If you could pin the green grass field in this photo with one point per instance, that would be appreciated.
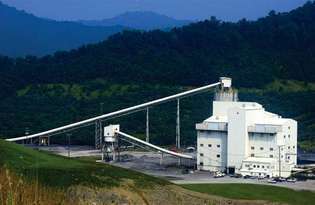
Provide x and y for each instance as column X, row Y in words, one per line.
column 60, row 171
column 256, row 192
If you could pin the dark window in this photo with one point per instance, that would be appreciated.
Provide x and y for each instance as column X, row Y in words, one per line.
column 201, row 154
column 254, row 166
column 289, row 127
column 218, row 146
column 289, row 147
column 252, row 155
column 271, row 149
column 209, row 145
column 261, row 148
column 201, row 145
column 293, row 147
column 271, row 156
column 289, row 136
column 218, row 156
column 263, row 166
column 252, row 148
column 201, row 163
column 258, row 166
column 284, row 136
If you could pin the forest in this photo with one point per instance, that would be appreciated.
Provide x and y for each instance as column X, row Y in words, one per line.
column 271, row 61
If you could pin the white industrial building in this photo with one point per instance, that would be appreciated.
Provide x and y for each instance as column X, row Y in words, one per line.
column 241, row 137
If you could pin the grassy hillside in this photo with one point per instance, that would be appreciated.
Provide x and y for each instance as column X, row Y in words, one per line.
column 31, row 177
column 59, row 171
column 256, row 192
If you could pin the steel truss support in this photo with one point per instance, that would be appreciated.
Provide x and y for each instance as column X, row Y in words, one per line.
column 178, row 125
column 147, row 130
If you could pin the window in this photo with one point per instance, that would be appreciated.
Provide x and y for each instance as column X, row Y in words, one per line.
column 284, row 136
column 258, row 166
column 201, row 154
column 218, row 156
column 271, row 156
column 293, row 147
column 254, row 166
column 289, row 147
column 268, row 167
column 218, row 146
column 271, row 149
column 209, row 145
column 289, row 136
column 201, row 163
column 288, row 157
column 270, row 134
column 289, row 127
column 263, row 166
column 261, row 148
column 252, row 155
column 252, row 148
column 201, row 145
column 246, row 165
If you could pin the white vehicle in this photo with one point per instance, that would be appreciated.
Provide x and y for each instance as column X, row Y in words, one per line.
column 218, row 174
column 272, row 181
column 292, row 180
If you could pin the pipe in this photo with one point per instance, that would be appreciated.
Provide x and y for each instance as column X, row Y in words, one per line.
column 155, row 147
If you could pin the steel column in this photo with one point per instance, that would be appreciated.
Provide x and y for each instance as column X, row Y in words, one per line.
column 147, row 126
column 178, row 125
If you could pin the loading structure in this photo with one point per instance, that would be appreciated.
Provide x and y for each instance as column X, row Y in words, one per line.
column 109, row 139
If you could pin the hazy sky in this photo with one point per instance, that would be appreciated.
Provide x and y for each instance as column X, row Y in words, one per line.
column 180, row 9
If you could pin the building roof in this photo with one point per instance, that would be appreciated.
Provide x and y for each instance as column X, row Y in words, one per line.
column 259, row 159
column 217, row 119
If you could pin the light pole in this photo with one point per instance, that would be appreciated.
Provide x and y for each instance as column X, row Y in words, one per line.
column 69, row 142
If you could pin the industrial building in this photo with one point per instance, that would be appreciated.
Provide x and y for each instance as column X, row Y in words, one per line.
column 243, row 138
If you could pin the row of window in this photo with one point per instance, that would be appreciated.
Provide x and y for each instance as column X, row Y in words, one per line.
column 210, row 145
column 271, row 148
column 253, row 155
column 261, row 148
column 201, row 155
column 257, row 166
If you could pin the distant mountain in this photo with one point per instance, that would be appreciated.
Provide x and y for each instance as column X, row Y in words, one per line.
column 24, row 34
column 143, row 20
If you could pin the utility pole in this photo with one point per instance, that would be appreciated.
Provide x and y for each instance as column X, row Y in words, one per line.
column 99, row 130
column 178, row 125
column 69, row 142
column 27, row 132
column 147, row 126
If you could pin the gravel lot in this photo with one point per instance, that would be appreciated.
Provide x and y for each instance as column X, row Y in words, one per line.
column 149, row 163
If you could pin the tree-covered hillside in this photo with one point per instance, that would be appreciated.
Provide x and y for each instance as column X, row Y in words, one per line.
column 271, row 60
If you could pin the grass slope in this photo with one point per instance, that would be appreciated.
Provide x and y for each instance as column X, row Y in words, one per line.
column 256, row 192
column 62, row 172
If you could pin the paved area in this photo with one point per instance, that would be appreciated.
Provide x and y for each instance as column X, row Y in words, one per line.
column 152, row 163
column 205, row 178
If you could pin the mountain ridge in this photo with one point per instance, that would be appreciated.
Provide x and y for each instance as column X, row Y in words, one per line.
column 141, row 20
column 25, row 34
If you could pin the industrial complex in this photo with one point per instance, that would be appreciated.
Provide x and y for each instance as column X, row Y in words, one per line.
column 239, row 138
